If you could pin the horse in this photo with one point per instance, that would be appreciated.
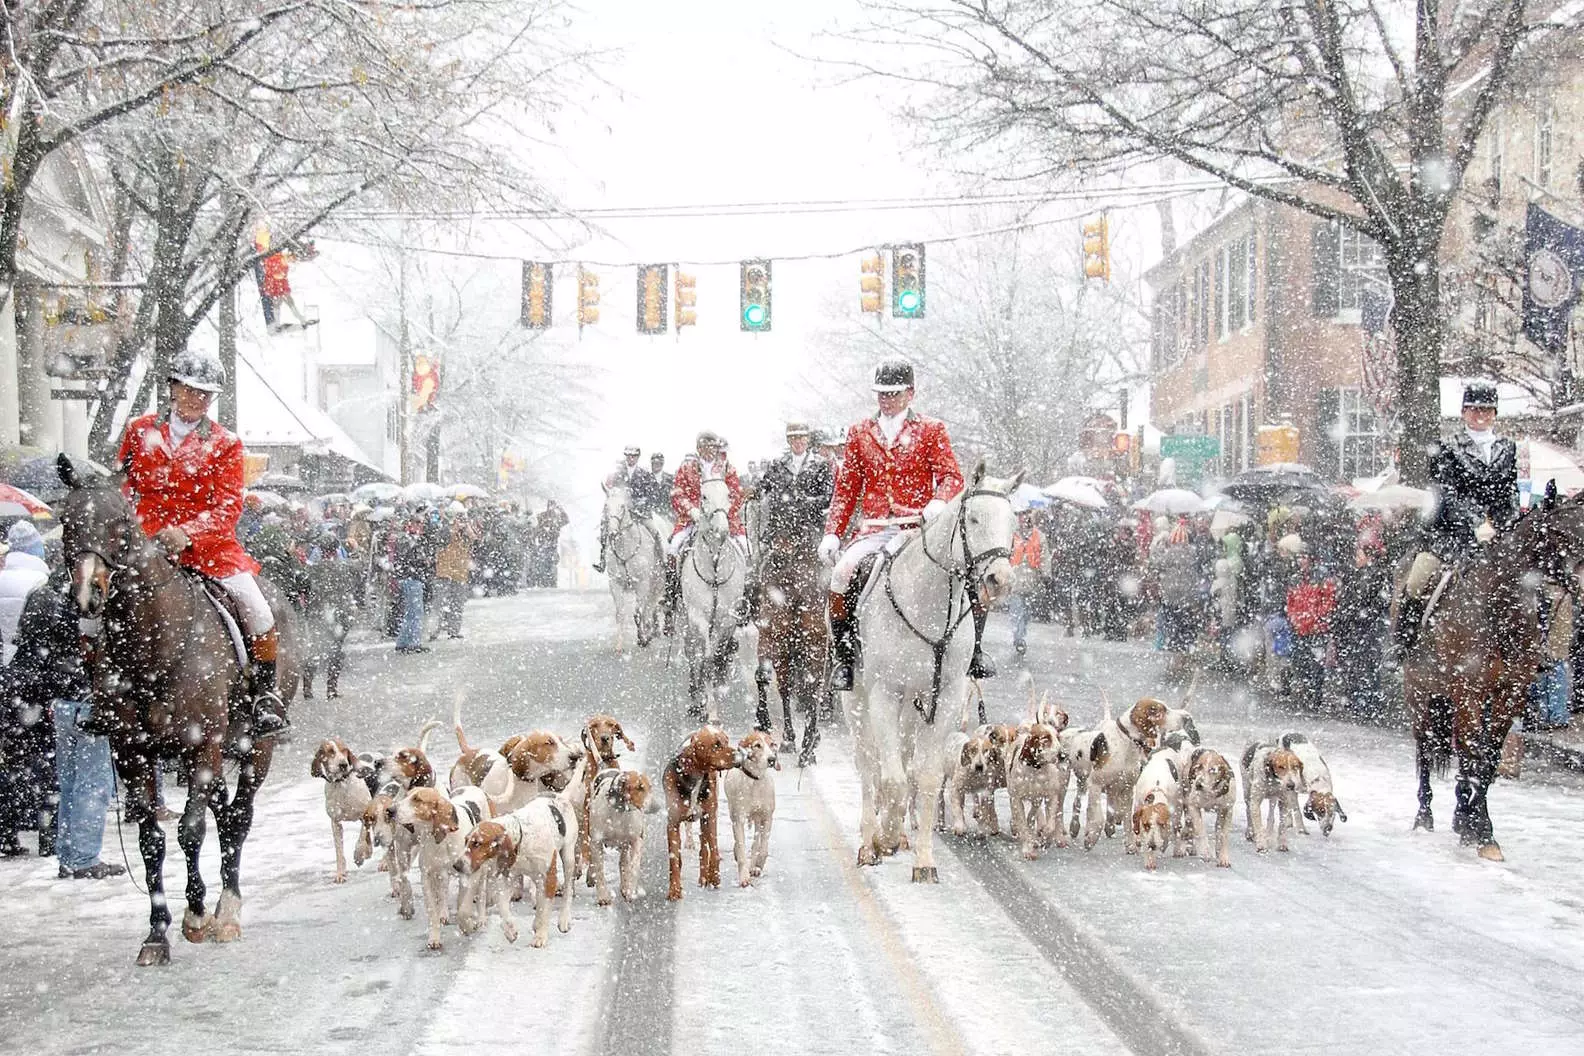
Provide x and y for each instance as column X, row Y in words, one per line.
column 713, row 574
column 166, row 665
column 635, row 566
column 793, row 639
column 915, row 641
column 1468, row 677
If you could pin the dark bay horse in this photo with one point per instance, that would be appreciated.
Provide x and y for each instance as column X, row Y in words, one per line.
column 793, row 639
column 1468, row 677
column 165, row 665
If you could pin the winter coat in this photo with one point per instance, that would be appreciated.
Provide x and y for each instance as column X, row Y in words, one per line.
column 1178, row 574
column 688, row 493
column 456, row 558
column 197, row 487
column 794, row 504
column 1469, row 490
column 50, row 661
column 880, row 481
column 412, row 557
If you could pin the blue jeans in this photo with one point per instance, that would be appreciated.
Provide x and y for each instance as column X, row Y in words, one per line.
column 1018, row 606
column 412, row 621
column 1549, row 694
column 82, row 766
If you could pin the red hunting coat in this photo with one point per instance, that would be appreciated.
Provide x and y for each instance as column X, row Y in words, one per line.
column 881, row 482
column 197, row 488
column 687, row 494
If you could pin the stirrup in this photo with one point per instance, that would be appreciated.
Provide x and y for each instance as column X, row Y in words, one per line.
column 841, row 677
column 269, row 717
column 980, row 666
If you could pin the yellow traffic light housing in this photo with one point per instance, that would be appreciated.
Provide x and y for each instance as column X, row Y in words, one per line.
column 686, row 299
column 1097, row 250
column 754, row 305
column 871, row 284
column 588, row 298
column 907, row 281
column 652, row 299
column 537, row 284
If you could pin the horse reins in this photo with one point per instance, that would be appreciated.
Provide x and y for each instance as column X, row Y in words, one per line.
column 956, row 579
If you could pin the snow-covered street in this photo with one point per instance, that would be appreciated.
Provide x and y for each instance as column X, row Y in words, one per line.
column 1373, row 940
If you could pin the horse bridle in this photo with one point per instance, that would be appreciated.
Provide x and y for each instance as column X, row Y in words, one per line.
column 957, row 578
column 113, row 568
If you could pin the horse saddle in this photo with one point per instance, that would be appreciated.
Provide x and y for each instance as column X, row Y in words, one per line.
column 230, row 614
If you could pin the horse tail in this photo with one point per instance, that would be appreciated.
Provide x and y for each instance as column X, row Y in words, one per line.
column 1438, row 735
column 1188, row 693
column 423, row 734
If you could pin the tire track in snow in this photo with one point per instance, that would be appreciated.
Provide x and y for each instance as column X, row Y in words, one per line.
column 1127, row 1005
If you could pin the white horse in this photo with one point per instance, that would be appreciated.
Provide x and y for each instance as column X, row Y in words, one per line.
column 635, row 565
column 713, row 575
column 916, row 639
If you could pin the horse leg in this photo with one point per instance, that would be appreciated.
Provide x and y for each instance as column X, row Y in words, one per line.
column 234, row 825
column 1424, row 819
column 1462, row 792
column 762, row 676
column 928, row 776
column 137, row 778
column 201, row 769
column 810, row 684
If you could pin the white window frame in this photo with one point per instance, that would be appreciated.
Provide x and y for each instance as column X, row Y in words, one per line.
column 1354, row 410
column 1359, row 261
column 1544, row 145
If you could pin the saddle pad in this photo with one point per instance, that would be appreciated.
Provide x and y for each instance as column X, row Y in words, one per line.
column 1435, row 597
column 220, row 600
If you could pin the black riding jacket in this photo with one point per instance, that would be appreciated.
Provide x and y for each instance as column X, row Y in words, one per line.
column 1470, row 490
column 795, row 504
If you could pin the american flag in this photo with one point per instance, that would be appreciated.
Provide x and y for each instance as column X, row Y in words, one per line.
column 1378, row 349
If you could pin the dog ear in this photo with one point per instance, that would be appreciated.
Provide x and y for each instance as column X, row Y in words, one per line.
column 1336, row 808
column 315, row 768
column 625, row 739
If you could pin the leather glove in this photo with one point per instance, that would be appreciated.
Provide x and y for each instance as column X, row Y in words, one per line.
column 932, row 509
column 173, row 539
column 1485, row 532
column 828, row 548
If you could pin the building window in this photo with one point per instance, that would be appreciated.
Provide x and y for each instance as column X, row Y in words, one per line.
column 1184, row 320
column 1363, row 446
column 1202, row 298
column 1544, row 122
column 1221, row 293
column 1237, row 284
column 1361, row 264
column 1253, row 273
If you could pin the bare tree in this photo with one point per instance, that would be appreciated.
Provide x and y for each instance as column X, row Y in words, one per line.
column 1364, row 112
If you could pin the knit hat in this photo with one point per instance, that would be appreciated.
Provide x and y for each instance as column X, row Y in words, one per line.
column 26, row 538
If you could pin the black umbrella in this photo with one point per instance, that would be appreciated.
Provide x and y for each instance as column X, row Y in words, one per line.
column 1263, row 484
column 34, row 470
column 284, row 483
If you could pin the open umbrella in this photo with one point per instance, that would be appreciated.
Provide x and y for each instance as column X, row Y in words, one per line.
column 14, row 502
column 1173, row 502
column 334, row 496
column 34, row 470
column 377, row 491
column 270, row 500
column 1391, row 497
column 1264, row 483
column 1079, row 491
column 423, row 491
column 284, row 483
column 467, row 491
column 381, row 513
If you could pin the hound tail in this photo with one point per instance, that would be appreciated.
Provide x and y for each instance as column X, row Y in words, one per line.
column 1106, row 701
column 423, row 734
column 456, row 723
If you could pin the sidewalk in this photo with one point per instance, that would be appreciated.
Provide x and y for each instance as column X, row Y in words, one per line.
column 1564, row 748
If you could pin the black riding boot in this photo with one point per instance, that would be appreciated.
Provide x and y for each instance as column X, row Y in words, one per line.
column 599, row 566
column 673, row 595
column 980, row 666
column 269, row 711
column 842, row 651
column 1405, row 633
column 98, row 721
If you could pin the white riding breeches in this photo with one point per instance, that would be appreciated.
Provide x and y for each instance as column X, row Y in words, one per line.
column 891, row 539
column 256, row 615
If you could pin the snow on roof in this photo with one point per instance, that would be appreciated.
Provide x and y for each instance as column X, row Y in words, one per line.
column 270, row 417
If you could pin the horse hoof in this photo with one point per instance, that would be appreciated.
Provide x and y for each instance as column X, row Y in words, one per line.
column 230, row 931
column 867, row 856
column 1425, row 820
column 154, row 953
column 925, row 874
column 1492, row 852
column 196, row 933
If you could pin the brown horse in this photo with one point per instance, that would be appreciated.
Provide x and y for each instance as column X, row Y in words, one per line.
column 792, row 640
column 1467, row 679
column 165, row 665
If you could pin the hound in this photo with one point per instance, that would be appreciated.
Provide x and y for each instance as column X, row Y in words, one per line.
column 692, row 791
column 751, row 800
column 349, row 786
column 1037, row 786
column 618, row 807
column 1274, row 773
column 541, row 760
column 1108, row 759
column 1322, row 804
column 405, row 769
column 974, row 767
column 1209, row 785
column 483, row 769
column 1157, row 810
column 440, row 826
column 603, row 738
column 524, row 847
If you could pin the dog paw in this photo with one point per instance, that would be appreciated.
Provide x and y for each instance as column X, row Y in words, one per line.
column 606, row 899
column 539, row 941
column 434, row 945
column 510, row 931
column 1223, row 863
column 405, row 912
column 340, row 878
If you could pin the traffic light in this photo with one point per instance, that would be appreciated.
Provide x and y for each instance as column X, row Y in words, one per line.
column 686, row 298
column 755, row 296
column 536, row 287
column 1097, row 250
column 871, row 284
column 907, row 281
column 652, row 299
column 588, row 298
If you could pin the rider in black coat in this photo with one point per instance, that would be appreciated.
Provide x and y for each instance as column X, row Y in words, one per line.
column 795, row 491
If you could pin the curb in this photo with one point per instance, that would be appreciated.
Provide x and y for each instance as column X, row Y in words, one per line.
column 1564, row 756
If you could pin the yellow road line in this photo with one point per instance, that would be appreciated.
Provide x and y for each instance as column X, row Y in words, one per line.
column 942, row 1036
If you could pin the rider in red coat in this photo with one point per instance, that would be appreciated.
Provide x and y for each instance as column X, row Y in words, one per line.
column 184, row 472
column 898, row 471
column 687, row 495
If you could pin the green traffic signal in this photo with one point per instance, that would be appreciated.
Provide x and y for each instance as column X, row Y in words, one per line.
column 909, row 301
column 755, row 302
column 755, row 315
column 907, row 281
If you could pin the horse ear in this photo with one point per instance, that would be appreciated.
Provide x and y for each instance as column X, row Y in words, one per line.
column 1016, row 481
column 1550, row 494
column 67, row 471
column 978, row 473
